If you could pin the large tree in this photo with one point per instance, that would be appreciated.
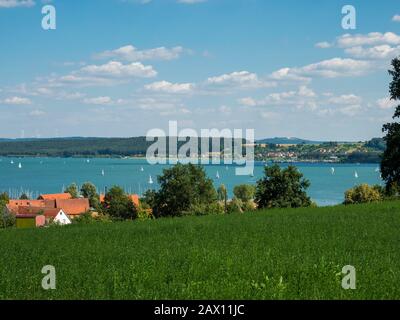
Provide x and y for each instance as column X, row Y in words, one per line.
column 390, row 166
column 72, row 189
column 88, row 190
column 118, row 205
column 282, row 188
column 181, row 188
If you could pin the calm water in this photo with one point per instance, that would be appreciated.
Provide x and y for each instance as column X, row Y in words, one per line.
column 50, row 175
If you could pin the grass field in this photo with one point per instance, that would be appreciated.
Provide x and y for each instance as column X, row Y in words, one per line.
column 277, row 254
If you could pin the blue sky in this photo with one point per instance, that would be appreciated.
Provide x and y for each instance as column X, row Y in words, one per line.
column 123, row 67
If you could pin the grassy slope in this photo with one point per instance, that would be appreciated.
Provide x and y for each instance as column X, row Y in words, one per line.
column 213, row 257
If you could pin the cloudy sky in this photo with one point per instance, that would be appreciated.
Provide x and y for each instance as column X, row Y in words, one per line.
column 123, row 67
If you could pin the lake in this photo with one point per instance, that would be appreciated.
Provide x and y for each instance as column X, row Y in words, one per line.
column 51, row 175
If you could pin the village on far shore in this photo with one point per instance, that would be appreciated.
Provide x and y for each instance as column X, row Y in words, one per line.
column 58, row 208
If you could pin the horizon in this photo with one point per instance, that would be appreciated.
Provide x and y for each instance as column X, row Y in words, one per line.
column 200, row 137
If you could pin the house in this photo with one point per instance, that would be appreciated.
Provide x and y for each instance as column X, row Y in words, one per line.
column 30, row 217
column 62, row 219
column 73, row 207
column 55, row 196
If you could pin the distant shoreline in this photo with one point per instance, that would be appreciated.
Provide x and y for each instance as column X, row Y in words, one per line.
column 144, row 158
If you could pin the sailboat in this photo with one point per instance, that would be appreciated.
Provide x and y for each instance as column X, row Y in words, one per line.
column 142, row 169
column 356, row 175
column 102, row 172
column 150, row 180
column 12, row 162
column 333, row 170
column 87, row 160
column 217, row 175
column 20, row 165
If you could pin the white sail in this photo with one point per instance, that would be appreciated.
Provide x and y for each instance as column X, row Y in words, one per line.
column 217, row 175
column 12, row 162
column 150, row 180
column 333, row 170
column 20, row 165
column 142, row 169
column 102, row 173
column 356, row 175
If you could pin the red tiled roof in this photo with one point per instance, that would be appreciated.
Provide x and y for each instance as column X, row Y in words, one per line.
column 73, row 206
column 47, row 212
column 27, row 203
column 133, row 197
column 55, row 196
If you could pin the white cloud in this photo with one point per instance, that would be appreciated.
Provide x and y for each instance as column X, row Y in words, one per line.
column 242, row 79
column 386, row 103
column 130, row 53
column 346, row 99
column 17, row 101
column 16, row 3
column 333, row 68
column 119, row 70
column 98, row 100
column 323, row 45
column 287, row 74
column 378, row 52
column 396, row 18
column 370, row 39
column 303, row 97
column 168, row 87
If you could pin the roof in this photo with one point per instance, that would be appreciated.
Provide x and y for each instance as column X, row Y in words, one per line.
column 133, row 197
column 73, row 206
column 27, row 203
column 29, row 211
column 55, row 196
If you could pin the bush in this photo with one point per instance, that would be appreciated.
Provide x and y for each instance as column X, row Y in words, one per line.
column 235, row 206
column 205, row 209
column 363, row 194
column 7, row 219
column 282, row 188
column 244, row 192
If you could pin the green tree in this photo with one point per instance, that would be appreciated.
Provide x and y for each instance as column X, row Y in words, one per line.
column 390, row 165
column 4, row 197
column 244, row 192
column 7, row 219
column 72, row 189
column 89, row 191
column 148, row 199
column 181, row 188
column 118, row 205
column 282, row 188
column 223, row 196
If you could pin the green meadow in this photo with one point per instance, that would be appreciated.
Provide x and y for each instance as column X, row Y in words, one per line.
column 273, row 254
